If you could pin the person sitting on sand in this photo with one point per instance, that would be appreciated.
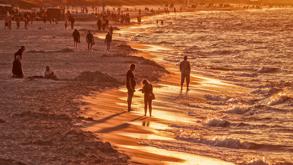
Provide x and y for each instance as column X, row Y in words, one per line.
column 185, row 70
column 17, row 68
column 90, row 40
column 149, row 96
column 49, row 74
column 76, row 37
column 108, row 40
column 130, row 85
column 19, row 52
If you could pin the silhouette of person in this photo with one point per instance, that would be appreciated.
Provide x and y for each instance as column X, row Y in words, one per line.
column 17, row 68
column 49, row 74
column 72, row 21
column 108, row 40
column 99, row 24
column 76, row 37
column 130, row 85
column 149, row 96
column 90, row 40
column 19, row 52
column 185, row 70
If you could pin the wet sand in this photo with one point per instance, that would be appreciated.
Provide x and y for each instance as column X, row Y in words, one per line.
column 130, row 131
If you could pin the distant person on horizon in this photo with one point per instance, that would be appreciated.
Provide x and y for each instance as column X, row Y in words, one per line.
column 76, row 37
column 72, row 21
column 130, row 85
column 185, row 70
column 149, row 96
column 99, row 24
column 66, row 24
column 108, row 40
column 17, row 68
column 90, row 40
column 19, row 52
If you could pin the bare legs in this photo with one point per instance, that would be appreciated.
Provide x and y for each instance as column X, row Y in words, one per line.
column 147, row 104
column 183, row 77
column 129, row 100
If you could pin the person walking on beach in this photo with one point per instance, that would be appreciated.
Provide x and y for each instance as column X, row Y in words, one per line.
column 90, row 40
column 66, row 24
column 72, row 21
column 149, row 96
column 76, row 37
column 108, row 40
column 17, row 20
column 185, row 72
column 19, row 52
column 99, row 24
column 17, row 68
column 130, row 85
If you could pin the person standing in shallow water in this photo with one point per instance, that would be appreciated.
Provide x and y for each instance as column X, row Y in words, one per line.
column 76, row 37
column 185, row 70
column 149, row 96
column 130, row 85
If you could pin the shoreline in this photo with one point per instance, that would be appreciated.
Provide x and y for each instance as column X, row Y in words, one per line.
column 133, row 134
column 123, row 134
column 42, row 115
column 87, row 61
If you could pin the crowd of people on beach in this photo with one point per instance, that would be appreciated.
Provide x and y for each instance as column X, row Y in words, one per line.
column 102, row 25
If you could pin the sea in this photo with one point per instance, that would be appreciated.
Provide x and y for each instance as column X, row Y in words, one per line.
column 251, row 50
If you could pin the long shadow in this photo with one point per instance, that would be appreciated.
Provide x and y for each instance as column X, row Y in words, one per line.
column 95, row 122
column 118, row 127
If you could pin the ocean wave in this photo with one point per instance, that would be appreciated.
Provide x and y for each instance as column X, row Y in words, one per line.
column 279, row 99
column 238, row 110
column 217, row 123
column 266, row 91
column 216, row 98
column 257, row 162
column 268, row 70
column 228, row 142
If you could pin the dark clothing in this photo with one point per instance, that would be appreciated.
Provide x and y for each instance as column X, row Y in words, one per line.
column 17, row 69
column 76, row 36
column 99, row 24
column 185, row 70
column 18, row 53
column 90, row 39
column 130, row 81
column 108, row 38
column 185, row 77
column 185, row 67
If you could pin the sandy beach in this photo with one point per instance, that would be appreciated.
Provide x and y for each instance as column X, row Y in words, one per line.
column 82, row 118
column 41, row 117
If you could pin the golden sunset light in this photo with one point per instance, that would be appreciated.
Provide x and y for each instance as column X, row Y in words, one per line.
column 146, row 82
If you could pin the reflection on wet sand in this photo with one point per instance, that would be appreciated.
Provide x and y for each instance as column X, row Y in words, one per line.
column 127, row 131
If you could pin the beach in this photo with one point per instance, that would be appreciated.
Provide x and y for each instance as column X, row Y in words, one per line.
column 236, row 110
column 41, row 116
column 233, row 114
